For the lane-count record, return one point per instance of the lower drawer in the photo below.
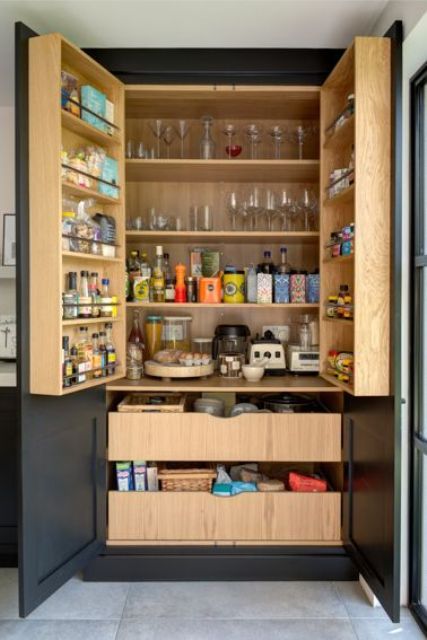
(309, 437)
(180, 516)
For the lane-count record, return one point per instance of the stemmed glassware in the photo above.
(232, 203)
(182, 129)
(157, 128)
(254, 133)
(277, 134)
(300, 135)
(231, 150)
(308, 207)
(286, 209)
(168, 137)
(207, 144)
(270, 207)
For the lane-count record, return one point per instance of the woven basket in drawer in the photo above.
(186, 479)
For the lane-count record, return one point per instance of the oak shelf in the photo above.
(90, 383)
(341, 385)
(339, 259)
(196, 170)
(84, 192)
(339, 321)
(89, 256)
(241, 237)
(343, 197)
(83, 321)
(82, 128)
(220, 305)
(342, 137)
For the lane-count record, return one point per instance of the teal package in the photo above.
(96, 101)
(110, 173)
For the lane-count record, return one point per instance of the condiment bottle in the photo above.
(93, 293)
(111, 349)
(180, 289)
(267, 266)
(251, 284)
(85, 302)
(157, 283)
(103, 352)
(96, 357)
(191, 289)
(135, 349)
(70, 299)
(106, 300)
(67, 365)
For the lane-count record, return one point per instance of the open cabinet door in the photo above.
(371, 69)
(62, 451)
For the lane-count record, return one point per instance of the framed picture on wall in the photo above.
(9, 240)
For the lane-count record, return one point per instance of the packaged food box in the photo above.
(95, 101)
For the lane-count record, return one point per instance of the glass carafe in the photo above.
(207, 145)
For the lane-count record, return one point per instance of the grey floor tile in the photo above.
(78, 600)
(8, 594)
(369, 629)
(234, 600)
(356, 603)
(185, 629)
(58, 630)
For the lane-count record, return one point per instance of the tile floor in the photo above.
(200, 611)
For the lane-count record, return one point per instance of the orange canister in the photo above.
(210, 290)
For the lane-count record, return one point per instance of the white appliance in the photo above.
(302, 360)
(271, 354)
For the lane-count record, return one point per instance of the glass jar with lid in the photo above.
(153, 329)
(177, 332)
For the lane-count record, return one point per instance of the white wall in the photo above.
(7, 195)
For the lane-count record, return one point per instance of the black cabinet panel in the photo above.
(8, 476)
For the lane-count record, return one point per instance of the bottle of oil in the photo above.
(157, 283)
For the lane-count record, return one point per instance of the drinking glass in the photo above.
(232, 204)
(270, 207)
(254, 133)
(300, 135)
(254, 206)
(205, 218)
(157, 128)
(286, 209)
(194, 218)
(277, 135)
(129, 149)
(308, 208)
(182, 128)
(168, 137)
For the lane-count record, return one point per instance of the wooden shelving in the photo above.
(240, 237)
(77, 322)
(89, 257)
(84, 192)
(342, 385)
(91, 383)
(345, 196)
(269, 384)
(196, 170)
(339, 259)
(219, 305)
(340, 321)
(82, 128)
(342, 137)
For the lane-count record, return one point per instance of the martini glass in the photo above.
(157, 128)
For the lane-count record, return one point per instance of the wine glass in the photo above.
(168, 137)
(254, 133)
(277, 135)
(254, 206)
(230, 131)
(157, 128)
(182, 129)
(308, 208)
(270, 207)
(232, 204)
(285, 207)
(300, 135)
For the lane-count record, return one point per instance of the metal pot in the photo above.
(290, 403)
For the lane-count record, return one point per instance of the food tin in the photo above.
(234, 287)
(210, 290)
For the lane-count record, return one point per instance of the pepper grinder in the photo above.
(180, 290)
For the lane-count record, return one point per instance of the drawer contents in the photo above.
(161, 403)
(88, 357)
(136, 476)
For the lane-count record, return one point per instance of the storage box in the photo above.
(154, 403)
(95, 101)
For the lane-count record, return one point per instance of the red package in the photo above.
(298, 482)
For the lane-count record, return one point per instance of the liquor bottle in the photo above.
(85, 301)
(94, 293)
(103, 352)
(157, 283)
(96, 357)
(77, 376)
(84, 353)
(267, 265)
(284, 266)
(111, 356)
(166, 267)
(145, 265)
(134, 269)
(135, 350)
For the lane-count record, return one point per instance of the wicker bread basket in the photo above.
(186, 479)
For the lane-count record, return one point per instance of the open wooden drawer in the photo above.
(185, 516)
(310, 437)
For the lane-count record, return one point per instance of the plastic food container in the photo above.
(176, 332)
(153, 335)
(203, 346)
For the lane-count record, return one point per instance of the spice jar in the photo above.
(191, 287)
(153, 329)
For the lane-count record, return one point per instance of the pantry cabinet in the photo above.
(304, 532)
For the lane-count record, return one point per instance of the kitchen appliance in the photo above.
(302, 360)
(270, 353)
(230, 338)
(290, 403)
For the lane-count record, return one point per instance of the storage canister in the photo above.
(234, 287)
(153, 335)
(176, 332)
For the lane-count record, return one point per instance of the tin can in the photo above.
(313, 288)
(298, 287)
(210, 290)
(281, 288)
(234, 287)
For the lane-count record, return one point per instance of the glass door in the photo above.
(419, 348)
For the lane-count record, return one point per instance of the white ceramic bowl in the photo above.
(252, 372)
